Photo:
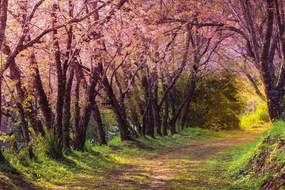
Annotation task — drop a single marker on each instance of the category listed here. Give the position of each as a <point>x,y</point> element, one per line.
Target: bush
<point>216,103</point>
<point>256,118</point>
<point>52,147</point>
<point>88,146</point>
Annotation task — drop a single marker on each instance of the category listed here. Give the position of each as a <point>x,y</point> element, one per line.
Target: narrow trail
<point>166,167</point>
<point>183,167</point>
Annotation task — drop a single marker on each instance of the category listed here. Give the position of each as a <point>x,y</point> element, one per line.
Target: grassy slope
<point>230,162</point>
<point>256,165</point>
<point>261,165</point>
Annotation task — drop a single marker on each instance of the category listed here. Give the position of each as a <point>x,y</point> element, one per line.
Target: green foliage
<point>51,146</point>
<point>88,146</point>
<point>216,104</point>
<point>256,118</point>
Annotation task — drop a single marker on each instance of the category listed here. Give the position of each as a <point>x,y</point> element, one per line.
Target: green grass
<point>218,169</point>
<point>96,162</point>
<point>233,161</point>
<point>278,131</point>
<point>238,164</point>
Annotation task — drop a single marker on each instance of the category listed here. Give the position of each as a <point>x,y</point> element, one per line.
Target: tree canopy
<point>137,65</point>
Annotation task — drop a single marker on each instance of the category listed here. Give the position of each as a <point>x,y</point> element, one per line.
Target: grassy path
<point>187,166</point>
<point>182,161</point>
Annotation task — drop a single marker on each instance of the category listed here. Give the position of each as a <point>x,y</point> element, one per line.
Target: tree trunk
<point>165,113</point>
<point>0,104</point>
<point>148,120</point>
<point>264,57</point>
<point>155,107</point>
<point>66,111</point>
<point>267,70</point>
<point>3,19</point>
<point>171,123</point>
<point>69,60</point>
<point>60,78</point>
<point>15,75</point>
<point>101,135</point>
<point>190,94</point>
<point>2,158</point>
<point>77,144</point>
<point>120,116</point>
<point>83,124</point>
<point>136,121</point>
<point>43,100</point>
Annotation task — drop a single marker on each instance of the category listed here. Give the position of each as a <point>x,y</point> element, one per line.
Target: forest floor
<point>193,159</point>
<point>189,166</point>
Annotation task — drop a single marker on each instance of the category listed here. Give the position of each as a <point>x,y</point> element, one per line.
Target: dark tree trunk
<point>136,121</point>
<point>2,158</point>
<point>66,111</point>
<point>120,116</point>
<point>21,98</point>
<point>69,60</point>
<point>43,100</point>
<point>0,104</point>
<point>83,124</point>
<point>100,127</point>
<point>77,130</point>
<point>15,75</point>
<point>267,67</point>
<point>189,96</point>
<point>185,103</point>
<point>165,113</point>
<point>148,120</point>
<point>3,19</point>
<point>60,79</point>
<point>23,123</point>
<point>155,107</point>
<point>172,122</point>
<point>264,57</point>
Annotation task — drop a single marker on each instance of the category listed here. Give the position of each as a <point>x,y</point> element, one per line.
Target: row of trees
<point>63,62</point>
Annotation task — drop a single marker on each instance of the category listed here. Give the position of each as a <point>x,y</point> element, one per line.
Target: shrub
<point>88,146</point>
<point>52,147</point>
<point>256,118</point>
<point>216,103</point>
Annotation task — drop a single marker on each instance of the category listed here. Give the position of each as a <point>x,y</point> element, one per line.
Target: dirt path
<point>184,167</point>
<point>193,157</point>
<point>166,169</point>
